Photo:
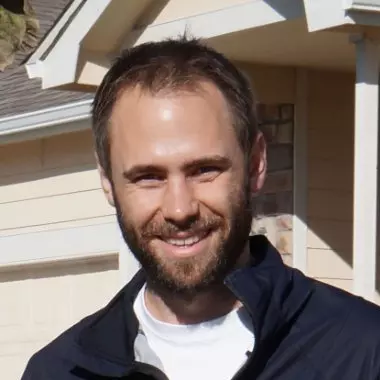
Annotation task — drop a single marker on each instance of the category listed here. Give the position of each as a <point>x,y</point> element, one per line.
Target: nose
<point>179,205</point>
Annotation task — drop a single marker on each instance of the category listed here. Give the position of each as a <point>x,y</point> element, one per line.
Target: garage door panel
<point>88,286</point>
<point>15,311</point>
<point>45,310</point>
<point>11,363</point>
<point>40,302</point>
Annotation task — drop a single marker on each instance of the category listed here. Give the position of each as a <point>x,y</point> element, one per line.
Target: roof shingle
<point>18,93</point>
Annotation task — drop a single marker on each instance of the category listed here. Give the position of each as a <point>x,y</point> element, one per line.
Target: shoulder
<point>357,309</point>
<point>355,319</point>
<point>338,315</point>
<point>343,331</point>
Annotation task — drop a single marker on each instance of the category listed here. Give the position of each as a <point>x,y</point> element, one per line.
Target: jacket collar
<point>272,293</point>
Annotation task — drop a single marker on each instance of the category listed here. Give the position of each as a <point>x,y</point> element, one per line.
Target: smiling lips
<point>186,241</point>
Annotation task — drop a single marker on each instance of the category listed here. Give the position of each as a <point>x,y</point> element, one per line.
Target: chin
<point>183,278</point>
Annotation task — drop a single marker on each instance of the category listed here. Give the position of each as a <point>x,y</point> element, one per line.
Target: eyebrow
<point>218,160</point>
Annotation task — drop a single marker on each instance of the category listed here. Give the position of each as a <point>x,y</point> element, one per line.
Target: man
<point>181,159</point>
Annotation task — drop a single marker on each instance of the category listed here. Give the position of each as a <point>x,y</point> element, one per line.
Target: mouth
<point>186,241</point>
<point>184,244</point>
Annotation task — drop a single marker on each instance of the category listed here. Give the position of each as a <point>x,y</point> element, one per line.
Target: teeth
<point>184,242</point>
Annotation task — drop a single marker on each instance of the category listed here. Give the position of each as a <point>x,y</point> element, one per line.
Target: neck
<point>202,307</point>
<point>176,309</point>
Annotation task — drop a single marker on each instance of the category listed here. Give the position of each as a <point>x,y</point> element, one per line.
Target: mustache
<point>167,229</point>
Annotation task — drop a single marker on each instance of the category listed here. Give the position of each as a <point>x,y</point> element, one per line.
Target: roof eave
<point>67,48</point>
<point>34,64</point>
<point>67,118</point>
<point>55,59</point>
<point>362,5</point>
<point>334,14</point>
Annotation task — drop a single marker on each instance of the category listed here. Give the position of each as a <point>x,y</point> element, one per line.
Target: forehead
<point>150,128</point>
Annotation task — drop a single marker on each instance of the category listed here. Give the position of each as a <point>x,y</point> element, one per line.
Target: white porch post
<point>300,172</point>
<point>365,167</point>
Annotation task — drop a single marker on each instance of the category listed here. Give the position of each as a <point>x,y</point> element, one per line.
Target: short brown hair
<point>173,65</point>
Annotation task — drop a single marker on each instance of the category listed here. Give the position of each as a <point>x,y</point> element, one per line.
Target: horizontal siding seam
<point>54,223</point>
<point>50,196</point>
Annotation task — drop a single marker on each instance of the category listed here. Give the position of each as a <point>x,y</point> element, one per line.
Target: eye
<point>207,170</point>
<point>148,178</point>
<point>206,173</point>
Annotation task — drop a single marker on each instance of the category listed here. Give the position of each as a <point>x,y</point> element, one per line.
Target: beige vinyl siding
<point>45,185</point>
<point>330,177</point>
<point>271,84</point>
<point>324,234</point>
<point>329,204</point>
<point>333,171</point>
<point>50,181</point>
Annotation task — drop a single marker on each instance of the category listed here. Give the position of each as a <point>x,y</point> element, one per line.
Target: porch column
<point>365,167</point>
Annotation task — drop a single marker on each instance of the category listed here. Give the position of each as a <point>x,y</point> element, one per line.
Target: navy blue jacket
<point>304,330</point>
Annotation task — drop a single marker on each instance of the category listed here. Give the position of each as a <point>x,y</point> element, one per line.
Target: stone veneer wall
<point>274,204</point>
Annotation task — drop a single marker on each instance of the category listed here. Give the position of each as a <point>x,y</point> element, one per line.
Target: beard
<point>187,277</point>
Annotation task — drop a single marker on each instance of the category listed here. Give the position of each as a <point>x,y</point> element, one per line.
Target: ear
<point>258,164</point>
<point>105,183</point>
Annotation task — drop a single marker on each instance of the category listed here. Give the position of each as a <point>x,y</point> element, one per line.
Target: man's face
<point>179,185</point>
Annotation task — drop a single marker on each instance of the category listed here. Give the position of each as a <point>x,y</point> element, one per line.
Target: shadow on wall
<point>23,162</point>
<point>330,158</point>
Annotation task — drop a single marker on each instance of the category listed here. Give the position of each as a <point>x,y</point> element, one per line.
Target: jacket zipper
<point>247,363</point>
<point>251,357</point>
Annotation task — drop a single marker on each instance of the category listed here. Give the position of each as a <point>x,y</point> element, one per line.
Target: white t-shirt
<point>215,349</point>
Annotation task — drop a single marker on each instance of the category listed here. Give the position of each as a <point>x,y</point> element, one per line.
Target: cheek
<point>220,195</point>
<point>138,206</point>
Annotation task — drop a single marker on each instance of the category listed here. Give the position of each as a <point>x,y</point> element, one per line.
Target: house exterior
<point>51,277</point>
<point>314,67</point>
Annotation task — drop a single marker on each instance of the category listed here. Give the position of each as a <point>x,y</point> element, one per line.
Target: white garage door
<point>38,303</point>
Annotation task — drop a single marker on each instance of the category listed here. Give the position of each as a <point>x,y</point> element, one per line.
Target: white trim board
<point>45,117</point>
<point>365,200</point>
<point>300,173</point>
<point>60,244</point>
<point>326,14</point>
<point>362,5</point>
<point>66,48</point>
<point>34,64</point>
